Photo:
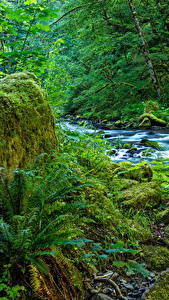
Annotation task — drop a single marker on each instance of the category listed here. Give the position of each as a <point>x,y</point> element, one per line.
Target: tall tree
<point>145,49</point>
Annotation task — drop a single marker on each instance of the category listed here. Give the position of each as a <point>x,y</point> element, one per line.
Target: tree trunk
<point>145,49</point>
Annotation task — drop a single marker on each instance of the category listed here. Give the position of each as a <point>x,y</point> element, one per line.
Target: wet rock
<point>111,152</point>
<point>132,150</point>
<point>146,142</point>
<point>120,124</point>
<point>126,146</point>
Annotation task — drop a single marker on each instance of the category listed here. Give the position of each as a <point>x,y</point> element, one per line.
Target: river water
<point>132,137</point>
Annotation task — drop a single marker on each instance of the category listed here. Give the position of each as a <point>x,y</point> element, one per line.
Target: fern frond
<point>35,278</point>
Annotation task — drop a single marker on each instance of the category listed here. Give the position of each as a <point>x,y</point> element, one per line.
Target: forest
<point>84,149</point>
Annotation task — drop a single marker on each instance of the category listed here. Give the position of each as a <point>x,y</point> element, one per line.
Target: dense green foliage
<point>76,212</point>
<point>100,70</point>
<point>103,55</point>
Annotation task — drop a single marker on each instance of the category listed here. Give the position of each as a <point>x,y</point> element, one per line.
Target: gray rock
<point>100,296</point>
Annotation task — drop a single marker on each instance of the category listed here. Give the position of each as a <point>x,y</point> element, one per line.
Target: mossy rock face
<point>26,122</point>
<point>156,257</point>
<point>141,195</point>
<point>160,290</point>
<point>148,119</point>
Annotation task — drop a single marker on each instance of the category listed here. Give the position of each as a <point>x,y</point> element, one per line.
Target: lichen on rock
<point>26,122</point>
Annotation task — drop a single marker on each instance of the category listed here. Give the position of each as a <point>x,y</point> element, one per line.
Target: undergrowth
<point>63,214</point>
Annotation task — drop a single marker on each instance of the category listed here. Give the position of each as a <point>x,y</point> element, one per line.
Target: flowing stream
<point>132,137</point>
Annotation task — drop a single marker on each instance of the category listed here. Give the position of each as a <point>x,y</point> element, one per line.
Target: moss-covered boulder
<point>132,150</point>
<point>160,290</point>
<point>26,122</point>
<point>148,119</point>
<point>141,195</point>
<point>140,172</point>
<point>146,142</point>
<point>156,257</point>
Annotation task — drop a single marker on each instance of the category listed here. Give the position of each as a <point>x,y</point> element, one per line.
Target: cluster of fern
<point>38,216</point>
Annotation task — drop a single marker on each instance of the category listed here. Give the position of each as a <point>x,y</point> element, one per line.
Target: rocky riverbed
<point>132,145</point>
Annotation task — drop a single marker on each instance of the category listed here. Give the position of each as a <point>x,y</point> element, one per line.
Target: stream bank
<point>132,287</point>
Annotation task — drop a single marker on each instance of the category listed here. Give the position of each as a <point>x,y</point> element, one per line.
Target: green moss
<point>156,257</point>
<point>132,150</point>
<point>135,230</point>
<point>152,144</point>
<point>148,118</point>
<point>141,195</point>
<point>160,291</point>
<point>126,146</point>
<point>145,123</point>
<point>141,172</point>
<point>26,122</point>
<point>167,230</point>
<point>163,216</point>
<point>148,152</point>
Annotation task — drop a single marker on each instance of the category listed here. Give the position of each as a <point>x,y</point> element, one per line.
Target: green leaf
<point>43,27</point>
<point>28,2</point>
<point>39,264</point>
<point>121,250</point>
<point>119,263</point>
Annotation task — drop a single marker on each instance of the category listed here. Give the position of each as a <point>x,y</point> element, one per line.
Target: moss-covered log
<point>26,122</point>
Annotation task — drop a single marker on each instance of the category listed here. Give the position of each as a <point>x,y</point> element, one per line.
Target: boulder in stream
<point>26,121</point>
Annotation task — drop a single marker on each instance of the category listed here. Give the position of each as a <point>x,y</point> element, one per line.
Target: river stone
<point>26,121</point>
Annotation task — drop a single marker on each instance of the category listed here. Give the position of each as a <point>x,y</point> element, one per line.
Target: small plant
<point>6,290</point>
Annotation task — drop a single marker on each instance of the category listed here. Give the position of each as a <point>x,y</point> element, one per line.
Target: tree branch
<point>67,13</point>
